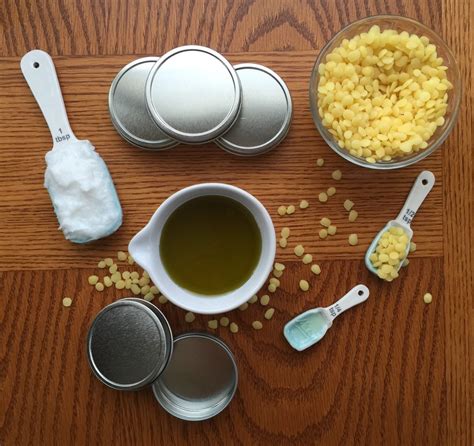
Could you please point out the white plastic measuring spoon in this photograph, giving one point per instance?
(310, 327)
(419, 191)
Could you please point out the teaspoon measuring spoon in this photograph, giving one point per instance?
(419, 191)
(310, 327)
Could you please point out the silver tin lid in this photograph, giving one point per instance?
(128, 111)
(200, 380)
(127, 345)
(193, 94)
(265, 116)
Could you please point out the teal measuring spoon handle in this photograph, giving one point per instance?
(355, 296)
(421, 188)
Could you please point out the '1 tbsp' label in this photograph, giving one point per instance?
(62, 137)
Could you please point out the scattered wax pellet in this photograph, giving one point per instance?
(336, 175)
(283, 242)
(234, 328)
(412, 246)
(304, 204)
(353, 239)
(115, 277)
(154, 290)
(304, 285)
(120, 285)
(269, 313)
(149, 297)
(99, 286)
(285, 232)
(265, 299)
(281, 210)
(320, 162)
(299, 250)
(290, 209)
(224, 321)
(316, 269)
(101, 264)
(348, 205)
(108, 281)
(93, 280)
(143, 281)
(277, 273)
(108, 261)
(189, 317)
(257, 325)
(428, 298)
(323, 233)
(353, 215)
(275, 281)
(126, 275)
(279, 266)
(67, 301)
(122, 256)
(145, 289)
(253, 299)
(325, 222)
(331, 191)
(213, 324)
(162, 299)
(145, 274)
(323, 197)
(332, 229)
(130, 260)
(134, 275)
(128, 283)
(272, 288)
(135, 289)
(244, 306)
(113, 268)
(307, 258)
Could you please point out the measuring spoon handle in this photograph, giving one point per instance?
(39, 71)
(357, 295)
(421, 188)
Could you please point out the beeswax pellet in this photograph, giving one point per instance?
(325, 222)
(115, 277)
(253, 299)
(244, 306)
(285, 232)
(134, 275)
(331, 191)
(272, 288)
(281, 210)
(149, 297)
(307, 258)
(353, 239)
(304, 204)
(353, 215)
(189, 317)
(304, 285)
(108, 261)
(145, 289)
(224, 321)
(257, 325)
(130, 260)
(108, 281)
(323, 197)
(93, 280)
(275, 281)
(120, 284)
(213, 324)
(67, 301)
(122, 256)
(283, 242)
(323, 233)
(265, 299)
(269, 313)
(320, 162)
(143, 281)
(154, 290)
(234, 328)
(99, 286)
(316, 269)
(162, 299)
(277, 273)
(279, 266)
(113, 268)
(412, 246)
(348, 204)
(336, 175)
(332, 229)
(428, 298)
(135, 289)
(290, 209)
(299, 250)
(101, 264)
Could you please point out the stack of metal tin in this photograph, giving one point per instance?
(193, 95)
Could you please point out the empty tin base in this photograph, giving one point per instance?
(200, 379)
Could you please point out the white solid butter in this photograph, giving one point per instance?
(82, 192)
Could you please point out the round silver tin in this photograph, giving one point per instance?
(193, 94)
(200, 379)
(128, 111)
(128, 345)
(265, 116)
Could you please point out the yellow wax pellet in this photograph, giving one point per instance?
(299, 250)
(108, 261)
(320, 162)
(348, 205)
(304, 285)
(323, 233)
(143, 281)
(120, 284)
(412, 246)
(304, 204)
(269, 313)
(162, 299)
(353, 215)
(134, 275)
(135, 289)
(122, 256)
(234, 328)
(145, 289)
(253, 299)
(307, 258)
(272, 288)
(224, 321)
(265, 299)
(93, 280)
(290, 209)
(326, 222)
(101, 264)
(283, 242)
(316, 269)
(99, 286)
(336, 175)
(257, 325)
(67, 301)
(108, 281)
(149, 297)
(323, 197)
(275, 281)
(331, 191)
(428, 298)
(113, 268)
(130, 260)
(189, 317)
(244, 306)
(332, 229)
(277, 273)
(279, 266)
(285, 232)
(281, 210)
(353, 239)
(213, 324)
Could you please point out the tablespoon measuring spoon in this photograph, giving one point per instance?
(419, 191)
(310, 327)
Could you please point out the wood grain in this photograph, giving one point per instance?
(393, 371)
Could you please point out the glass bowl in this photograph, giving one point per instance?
(454, 95)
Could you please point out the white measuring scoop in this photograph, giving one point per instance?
(310, 327)
(419, 191)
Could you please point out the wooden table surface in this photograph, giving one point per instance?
(393, 371)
